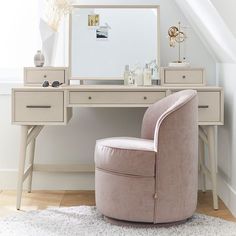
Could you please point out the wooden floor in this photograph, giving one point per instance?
(45, 199)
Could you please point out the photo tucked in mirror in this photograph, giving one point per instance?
(104, 40)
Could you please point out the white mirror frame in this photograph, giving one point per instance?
(152, 6)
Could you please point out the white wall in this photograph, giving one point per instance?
(75, 142)
(227, 137)
(227, 133)
(211, 28)
(227, 12)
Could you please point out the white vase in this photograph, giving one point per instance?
(49, 42)
(39, 59)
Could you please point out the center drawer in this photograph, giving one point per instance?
(38, 106)
(78, 97)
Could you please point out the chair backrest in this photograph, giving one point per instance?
(172, 123)
(176, 146)
(162, 108)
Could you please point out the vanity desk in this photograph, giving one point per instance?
(100, 52)
(36, 107)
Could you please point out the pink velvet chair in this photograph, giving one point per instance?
(154, 178)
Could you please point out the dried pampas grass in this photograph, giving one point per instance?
(55, 11)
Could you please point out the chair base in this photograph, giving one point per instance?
(142, 224)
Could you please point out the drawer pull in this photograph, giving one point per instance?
(145, 98)
(34, 106)
(203, 106)
(45, 76)
(184, 76)
(89, 98)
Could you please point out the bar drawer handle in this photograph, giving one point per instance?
(203, 106)
(34, 106)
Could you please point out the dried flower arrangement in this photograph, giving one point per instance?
(55, 11)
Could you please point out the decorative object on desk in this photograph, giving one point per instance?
(93, 20)
(147, 75)
(39, 59)
(55, 84)
(128, 76)
(55, 11)
(176, 35)
(138, 75)
(154, 72)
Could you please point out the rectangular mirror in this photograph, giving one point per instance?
(103, 39)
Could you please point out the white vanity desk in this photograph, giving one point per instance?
(35, 107)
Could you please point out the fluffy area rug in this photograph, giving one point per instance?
(85, 220)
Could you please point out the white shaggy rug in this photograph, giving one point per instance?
(85, 220)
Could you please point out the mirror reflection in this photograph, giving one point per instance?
(105, 40)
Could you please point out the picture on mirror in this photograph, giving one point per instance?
(102, 33)
(93, 20)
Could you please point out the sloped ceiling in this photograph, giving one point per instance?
(227, 11)
(211, 27)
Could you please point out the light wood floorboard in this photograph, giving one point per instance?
(44, 199)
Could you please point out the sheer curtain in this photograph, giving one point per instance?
(19, 37)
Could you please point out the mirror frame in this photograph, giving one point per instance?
(152, 6)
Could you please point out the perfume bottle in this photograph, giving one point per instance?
(147, 75)
(128, 76)
(131, 80)
(138, 75)
(154, 72)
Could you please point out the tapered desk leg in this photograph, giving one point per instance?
(212, 158)
(23, 146)
(31, 161)
(201, 154)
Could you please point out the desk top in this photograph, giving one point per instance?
(115, 88)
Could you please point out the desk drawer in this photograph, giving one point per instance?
(37, 76)
(77, 97)
(184, 76)
(38, 106)
(209, 106)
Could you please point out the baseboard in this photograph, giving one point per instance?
(8, 178)
(49, 181)
(227, 194)
(54, 181)
(83, 181)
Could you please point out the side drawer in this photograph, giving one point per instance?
(78, 97)
(38, 106)
(183, 76)
(34, 76)
(209, 106)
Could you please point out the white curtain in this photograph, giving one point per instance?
(19, 37)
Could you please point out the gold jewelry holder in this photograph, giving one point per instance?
(176, 36)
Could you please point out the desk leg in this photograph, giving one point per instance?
(23, 146)
(31, 162)
(201, 154)
(212, 158)
(28, 137)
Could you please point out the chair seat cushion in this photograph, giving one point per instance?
(124, 155)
